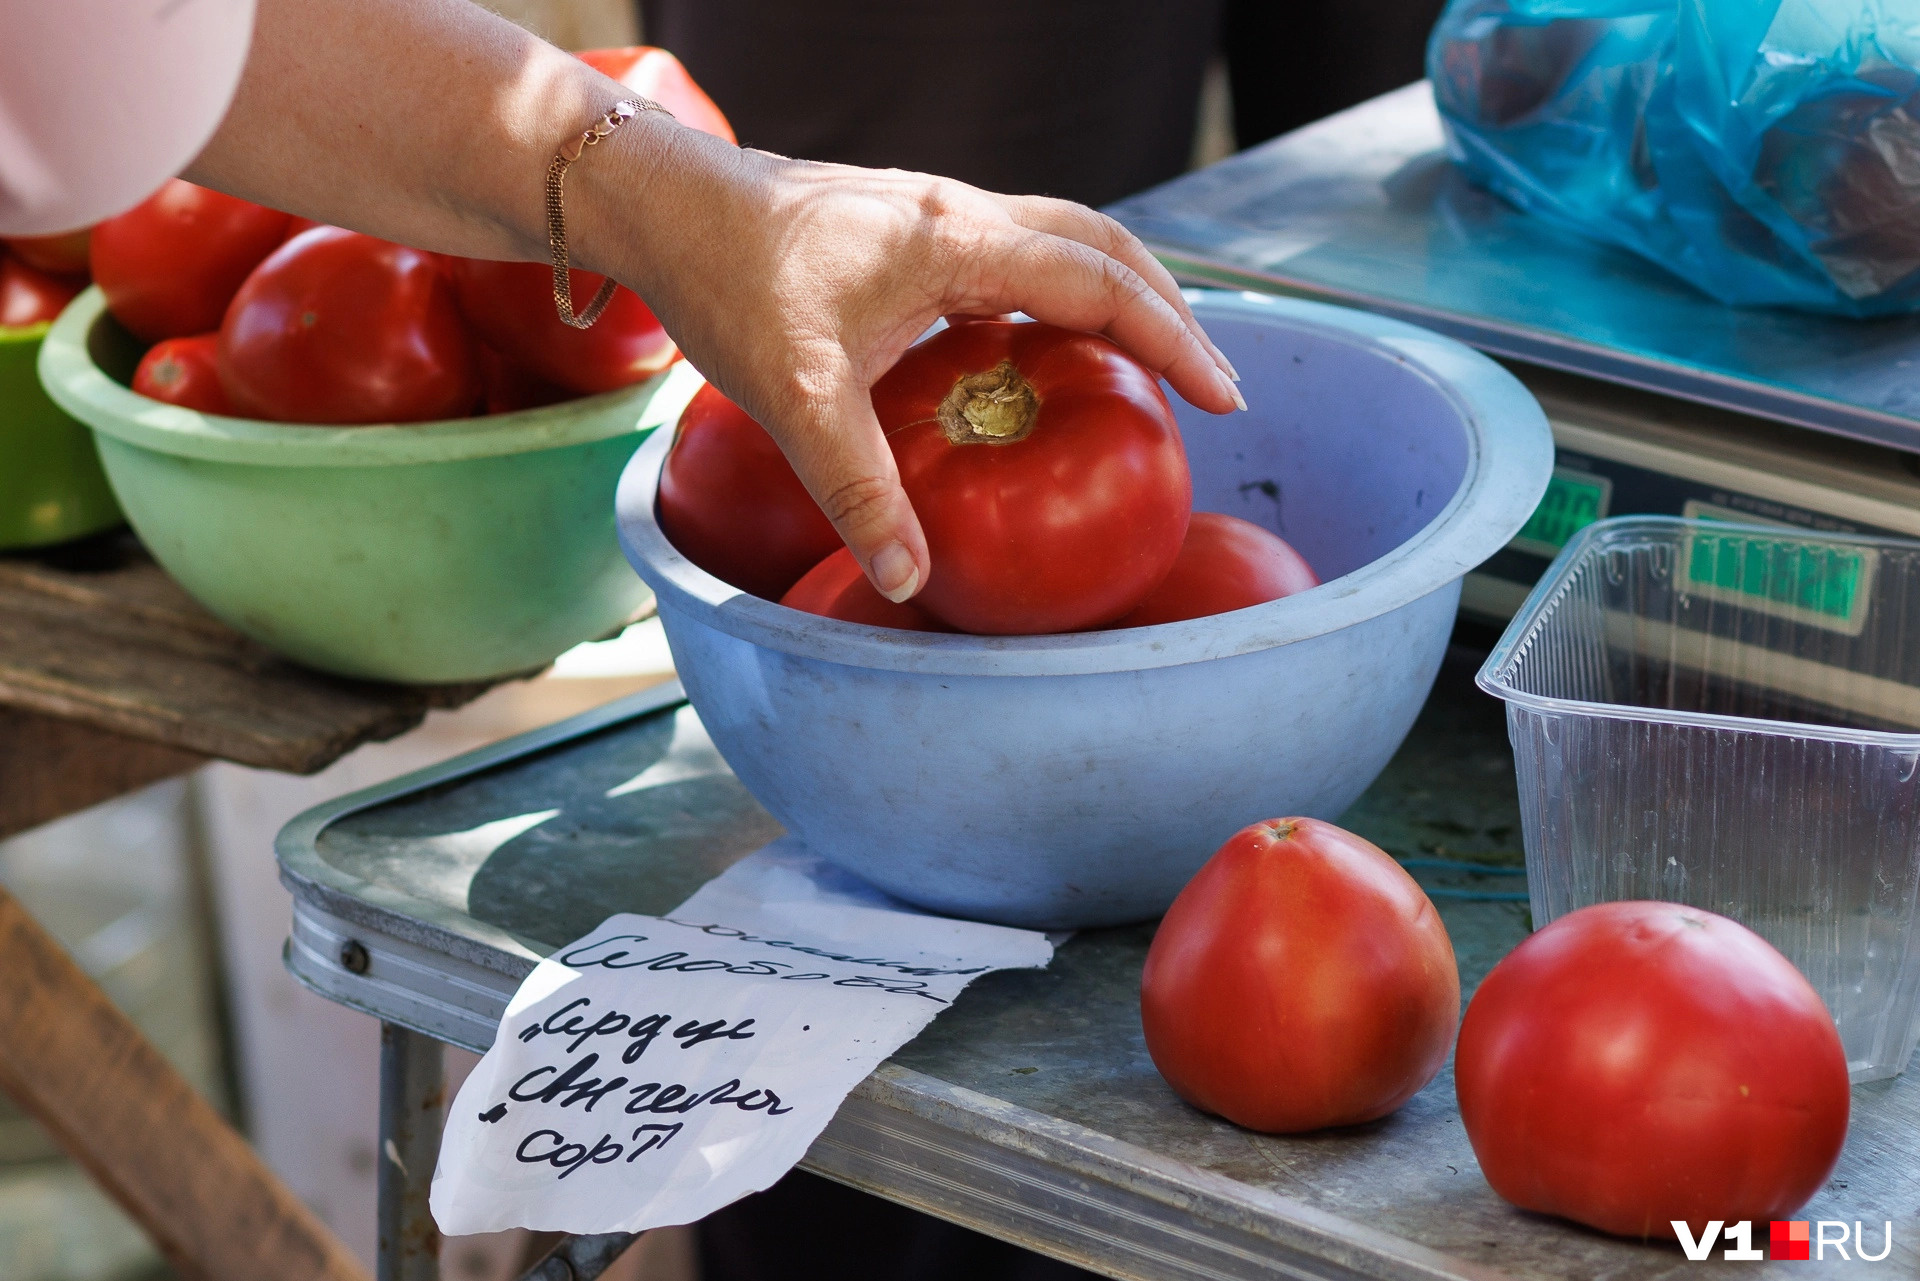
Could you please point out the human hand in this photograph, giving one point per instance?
(794, 286)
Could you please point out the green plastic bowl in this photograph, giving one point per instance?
(426, 552)
(51, 485)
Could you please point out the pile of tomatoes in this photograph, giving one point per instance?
(1048, 474)
(255, 313)
(1628, 1066)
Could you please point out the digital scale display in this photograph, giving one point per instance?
(1822, 586)
(1574, 500)
(1832, 589)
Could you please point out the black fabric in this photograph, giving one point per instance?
(1086, 99)
(1291, 64)
(805, 1228)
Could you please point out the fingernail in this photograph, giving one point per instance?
(1226, 364)
(1230, 390)
(894, 572)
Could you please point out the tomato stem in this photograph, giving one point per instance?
(997, 407)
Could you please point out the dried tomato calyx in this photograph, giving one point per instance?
(997, 407)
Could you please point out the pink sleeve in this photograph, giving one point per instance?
(101, 101)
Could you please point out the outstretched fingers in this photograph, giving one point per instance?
(841, 455)
(1066, 282)
(1096, 230)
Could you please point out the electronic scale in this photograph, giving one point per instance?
(1662, 400)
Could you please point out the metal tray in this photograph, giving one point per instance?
(1030, 1110)
(1364, 208)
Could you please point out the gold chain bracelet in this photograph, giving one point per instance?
(623, 111)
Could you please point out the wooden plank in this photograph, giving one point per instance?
(111, 642)
(50, 767)
(74, 1062)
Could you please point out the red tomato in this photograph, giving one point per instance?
(506, 388)
(511, 307)
(1301, 980)
(657, 74)
(184, 371)
(297, 225)
(337, 327)
(838, 588)
(730, 503)
(1636, 1063)
(1225, 564)
(63, 255)
(1047, 471)
(29, 296)
(170, 264)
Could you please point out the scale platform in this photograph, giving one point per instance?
(1663, 401)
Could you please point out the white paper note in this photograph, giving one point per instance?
(663, 1067)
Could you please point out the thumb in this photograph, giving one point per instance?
(842, 457)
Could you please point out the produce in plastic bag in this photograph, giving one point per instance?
(1767, 151)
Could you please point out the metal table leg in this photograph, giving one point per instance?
(413, 1101)
(581, 1258)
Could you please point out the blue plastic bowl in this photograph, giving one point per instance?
(1069, 781)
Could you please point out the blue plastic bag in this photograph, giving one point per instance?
(1767, 151)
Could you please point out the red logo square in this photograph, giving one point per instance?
(1790, 1239)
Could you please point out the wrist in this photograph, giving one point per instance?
(497, 175)
(639, 192)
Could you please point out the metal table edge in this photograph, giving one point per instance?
(1050, 1185)
(1537, 347)
(1157, 1204)
(308, 876)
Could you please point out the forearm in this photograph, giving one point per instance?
(429, 122)
(793, 286)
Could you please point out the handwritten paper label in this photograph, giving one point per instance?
(663, 1067)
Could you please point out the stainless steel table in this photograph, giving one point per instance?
(1029, 1111)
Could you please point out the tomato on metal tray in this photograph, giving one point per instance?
(838, 588)
(1047, 471)
(1636, 1063)
(29, 296)
(731, 504)
(337, 327)
(184, 371)
(1225, 564)
(170, 265)
(1301, 980)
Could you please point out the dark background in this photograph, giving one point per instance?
(1091, 100)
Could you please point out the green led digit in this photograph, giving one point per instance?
(1818, 580)
(1574, 500)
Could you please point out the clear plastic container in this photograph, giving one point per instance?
(1729, 716)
